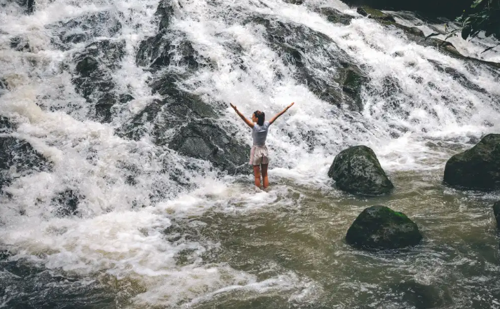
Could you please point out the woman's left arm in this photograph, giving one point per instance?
(248, 122)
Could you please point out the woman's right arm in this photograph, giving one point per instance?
(248, 122)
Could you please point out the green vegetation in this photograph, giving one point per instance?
(484, 15)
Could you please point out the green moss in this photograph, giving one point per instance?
(374, 12)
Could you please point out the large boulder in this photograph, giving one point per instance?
(496, 212)
(357, 170)
(477, 168)
(380, 228)
(207, 141)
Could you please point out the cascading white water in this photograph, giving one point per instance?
(119, 230)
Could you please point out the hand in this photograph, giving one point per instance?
(234, 107)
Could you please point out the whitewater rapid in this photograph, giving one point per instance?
(119, 231)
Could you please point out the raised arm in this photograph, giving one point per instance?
(280, 113)
(248, 122)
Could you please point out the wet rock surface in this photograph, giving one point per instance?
(67, 202)
(380, 228)
(477, 168)
(85, 28)
(357, 170)
(423, 296)
(335, 16)
(496, 212)
(18, 159)
(295, 43)
(93, 77)
(207, 141)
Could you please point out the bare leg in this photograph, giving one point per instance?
(256, 173)
(264, 175)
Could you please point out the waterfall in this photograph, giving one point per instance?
(127, 104)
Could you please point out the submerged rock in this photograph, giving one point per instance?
(420, 296)
(205, 140)
(380, 228)
(67, 202)
(18, 159)
(496, 212)
(357, 170)
(477, 168)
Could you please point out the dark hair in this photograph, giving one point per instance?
(261, 116)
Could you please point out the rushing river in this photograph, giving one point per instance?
(154, 228)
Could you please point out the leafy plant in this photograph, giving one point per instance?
(483, 16)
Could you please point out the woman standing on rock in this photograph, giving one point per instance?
(259, 156)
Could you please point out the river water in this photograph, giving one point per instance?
(216, 242)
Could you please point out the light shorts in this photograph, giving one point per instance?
(259, 155)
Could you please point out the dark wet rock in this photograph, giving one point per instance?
(154, 51)
(301, 47)
(167, 47)
(93, 79)
(177, 108)
(381, 228)
(207, 141)
(335, 16)
(67, 202)
(456, 75)
(352, 80)
(375, 14)
(85, 28)
(158, 51)
(496, 212)
(477, 168)
(357, 170)
(6, 126)
(297, 2)
(20, 44)
(18, 159)
(28, 6)
(421, 296)
(164, 13)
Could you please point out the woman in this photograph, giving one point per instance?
(259, 156)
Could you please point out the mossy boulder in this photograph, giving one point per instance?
(357, 170)
(496, 212)
(375, 14)
(381, 228)
(477, 168)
